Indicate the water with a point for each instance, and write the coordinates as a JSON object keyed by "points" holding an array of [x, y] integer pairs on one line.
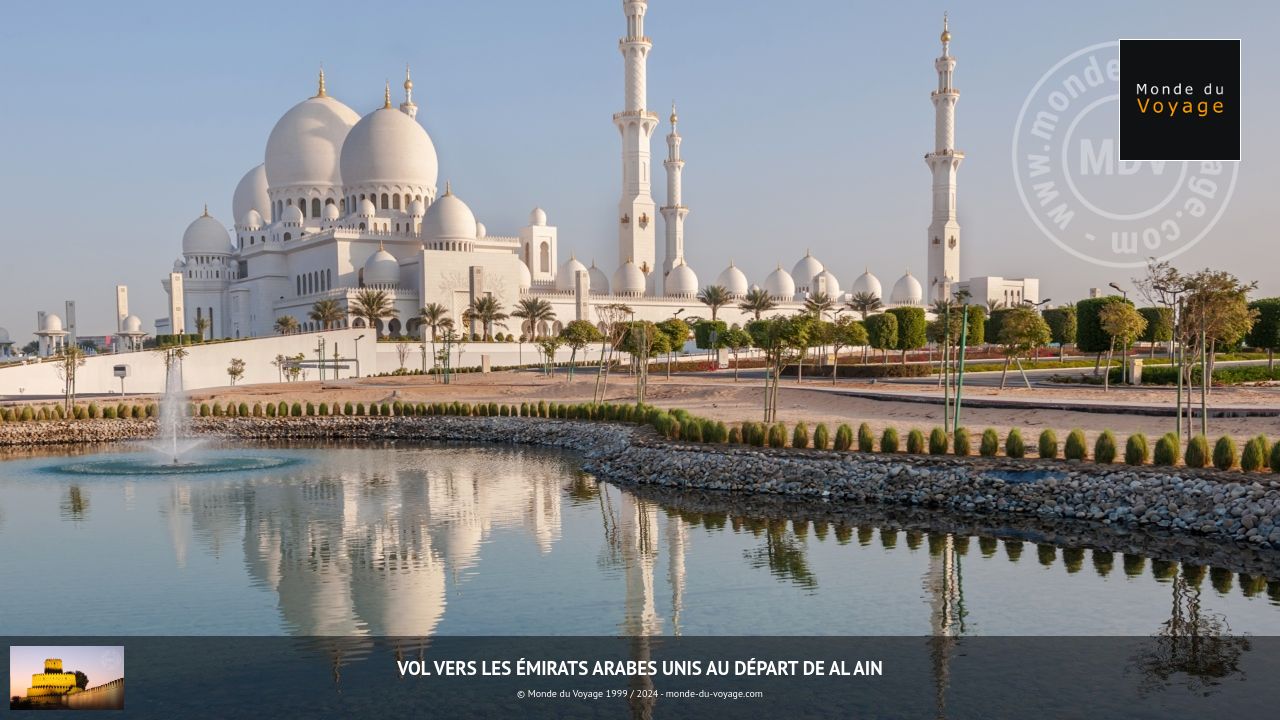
{"points": [[360, 539]]}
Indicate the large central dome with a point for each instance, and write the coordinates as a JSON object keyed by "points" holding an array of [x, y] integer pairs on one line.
{"points": [[304, 146], [387, 148]]}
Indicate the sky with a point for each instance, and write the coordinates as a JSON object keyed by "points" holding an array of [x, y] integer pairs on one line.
{"points": [[804, 126], [101, 664]]}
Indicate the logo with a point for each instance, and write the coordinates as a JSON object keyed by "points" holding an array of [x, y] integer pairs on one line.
{"points": [[1072, 182]]}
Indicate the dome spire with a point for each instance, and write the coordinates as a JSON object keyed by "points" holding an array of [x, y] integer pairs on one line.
{"points": [[206, 210], [407, 107], [320, 90], [386, 96], [674, 117], [946, 35], [448, 187]]}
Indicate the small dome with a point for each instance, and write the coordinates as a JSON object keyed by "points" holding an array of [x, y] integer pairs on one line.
{"points": [[381, 269], [206, 236], [251, 194], [251, 220], [331, 212], [805, 270], [305, 144], [867, 283], [449, 218], [682, 282], [387, 147], [417, 208], [833, 285], [599, 281], [733, 280], [52, 324], [538, 217], [568, 274], [481, 230], [907, 291], [526, 277], [179, 264], [628, 280], [133, 324], [367, 208], [292, 215], [779, 285]]}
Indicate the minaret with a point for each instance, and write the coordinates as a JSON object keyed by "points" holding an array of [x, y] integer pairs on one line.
{"points": [[636, 221], [407, 107], [944, 161], [674, 212]]}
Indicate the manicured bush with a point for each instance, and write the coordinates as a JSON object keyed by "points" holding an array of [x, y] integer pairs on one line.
{"points": [[360, 408], [244, 409], [231, 410], [778, 436], [937, 441], [693, 432], [1014, 446], [1104, 449], [271, 409], [123, 411], [542, 409], [735, 435], [889, 440], [866, 439], [1167, 450], [153, 410], [989, 446], [257, 409], [1136, 450], [296, 409], [1076, 448], [94, 411], [844, 437], [1197, 452], [348, 408], [204, 410], [282, 409], [1254, 457], [1273, 460], [961, 444], [108, 413], [311, 409], [757, 434], [800, 436], [821, 437], [1047, 447], [493, 409], [1224, 453], [721, 433]]}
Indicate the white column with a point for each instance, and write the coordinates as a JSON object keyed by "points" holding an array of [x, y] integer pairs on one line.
{"points": [[674, 212], [636, 208], [944, 163]]}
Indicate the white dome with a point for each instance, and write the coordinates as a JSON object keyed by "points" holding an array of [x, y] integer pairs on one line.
{"points": [[381, 269], [481, 230], [805, 270], [526, 277], [292, 215], [133, 324], [733, 280], [305, 145], [251, 220], [449, 218], [779, 285], [367, 208], [568, 274], [538, 217], [52, 324], [907, 291], [833, 284], [251, 194], [331, 211], [867, 283], [599, 281], [628, 280], [179, 264], [206, 236], [387, 147], [682, 282], [417, 208]]}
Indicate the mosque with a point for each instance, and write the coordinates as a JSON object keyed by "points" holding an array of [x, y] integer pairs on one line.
{"points": [[343, 203]]}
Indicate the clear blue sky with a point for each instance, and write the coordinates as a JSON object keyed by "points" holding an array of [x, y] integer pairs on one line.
{"points": [[101, 664], [804, 126]]}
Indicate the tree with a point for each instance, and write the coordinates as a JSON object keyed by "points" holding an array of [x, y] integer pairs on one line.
{"points": [[714, 297], [532, 312], [577, 335], [864, 302], [757, 302], [977, 332], [235, 370], [845, 332], [1022, 332], [882, 332], [432, 316], [286, 324], [611, 317], [779, 338], [326, 313], [1159, 326], [995, 322], [69, 362], [912, 329], [1216, 314], [487, 311], [402, 352], [374, 306], [1090, 337], [677, 332], [994, 304], [818, 305], [1265, 333], [706, 333], [1062, 326], [82, 680], [202, 326], [736, 340], [1123, 323]]}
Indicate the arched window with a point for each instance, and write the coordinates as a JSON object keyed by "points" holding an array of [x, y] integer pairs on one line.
{"points": [[328, 278], [315, 207], [361, 226], [289, 202], [544, 258], [395, 202], [385, 201], [343, 206], [288, 237], [302, 205]]}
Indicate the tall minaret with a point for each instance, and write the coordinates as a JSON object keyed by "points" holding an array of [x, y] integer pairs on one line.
{"points": [[407, 107], [674, 212], [944, 161], [636, 221]]}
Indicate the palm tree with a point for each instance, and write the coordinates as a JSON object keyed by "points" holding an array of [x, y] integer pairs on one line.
{"points": [[714, 297], [286, 324], [202, 327], [432, 317], [533, 312], [488, 312], [994, 304], [818, 305], [757, 302], [326, 312], [864, 302], [373, 306]]}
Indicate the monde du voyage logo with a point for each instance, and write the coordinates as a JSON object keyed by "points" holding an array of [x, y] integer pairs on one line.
{"points": [[1126, 150]]}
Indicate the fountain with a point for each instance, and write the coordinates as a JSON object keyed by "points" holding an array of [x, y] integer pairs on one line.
{"points": [[172, 425]]}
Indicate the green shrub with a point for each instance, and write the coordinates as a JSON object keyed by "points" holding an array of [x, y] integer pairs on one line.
{"points": [[938, 441], [231, 410], [735, 435], [844, 437], [257, 409], [1166, 452], [123, 411], [271, 409], [821, 437], [493, 409], [866, 439], [1274, 459], [989, 445], [282, 409], [889, 440], [1014, 446], [219, 410], [960, 443], [322, 409], [108, 413], [1265, 444], [800, 436], [1254, 457], [1197, 452], [778, 436], [1047, 447], [296, 409], [721, 433], [360, 408], [204, 410], [757, 435], [94, 411], [915, 442], [348, 409], [1104, 449], [542, 409], [153, 410], [244, 409], [1224, 453], [311, 409], [1076, 448], [693, 432], [1136, 450]]}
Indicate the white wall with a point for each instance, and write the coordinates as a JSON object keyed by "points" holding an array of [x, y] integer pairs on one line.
{"points": [[500, 355]]}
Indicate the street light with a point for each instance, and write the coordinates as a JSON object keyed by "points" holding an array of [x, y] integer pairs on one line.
{"points": [[1037, 305], [357, 358], [1123, 293]]}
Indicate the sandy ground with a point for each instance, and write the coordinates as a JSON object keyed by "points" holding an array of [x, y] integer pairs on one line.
{"points": [[812, 401]]}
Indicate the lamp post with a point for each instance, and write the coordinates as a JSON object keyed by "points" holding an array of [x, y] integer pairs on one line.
{"points": [[358, 339], [320, 356]]}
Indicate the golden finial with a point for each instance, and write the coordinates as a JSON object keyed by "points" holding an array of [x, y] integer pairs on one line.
{"points": [[448, 187], [206, 210], [946, 33], [320, 92], [386, 96], [408, 81], [674, 118]]}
